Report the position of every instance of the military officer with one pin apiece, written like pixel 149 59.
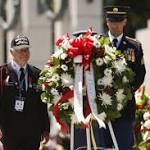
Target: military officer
pixel 116 20
pixel 24 119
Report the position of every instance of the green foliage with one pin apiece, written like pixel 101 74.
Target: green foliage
pixel 142 118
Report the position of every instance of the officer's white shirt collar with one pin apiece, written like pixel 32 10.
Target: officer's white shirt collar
pixel 111 37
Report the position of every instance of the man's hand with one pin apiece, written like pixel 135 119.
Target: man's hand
pixel 1 134
pixel 45 137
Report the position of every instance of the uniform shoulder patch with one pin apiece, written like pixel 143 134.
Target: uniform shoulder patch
pixel 134 41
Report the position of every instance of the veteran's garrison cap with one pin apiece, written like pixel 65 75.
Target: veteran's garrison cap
pixel 20 41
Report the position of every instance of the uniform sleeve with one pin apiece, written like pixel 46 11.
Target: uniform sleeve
pixel 2 78
pixel 139 68
pixel 45 118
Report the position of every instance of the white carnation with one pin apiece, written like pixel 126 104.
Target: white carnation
pixel 119 65
pixel 107 59
pixel 110 51
pixel 63 56
pixel 58 53
pixel 54 92
pixel 99 61
pixel 64 67
pixel 66 79
pixel 120 96
pixel 96 43
pixel 108 72
pixel 55 77
pixel 119 107
pixel 100 82
pixel 146 136
pixel 146 116
pixel 147 124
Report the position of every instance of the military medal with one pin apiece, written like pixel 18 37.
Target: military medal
pixel 129 55
pixel 132 55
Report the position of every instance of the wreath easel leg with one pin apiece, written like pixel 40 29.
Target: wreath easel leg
pixel 89 137
pixel 113 136
pixel 72 136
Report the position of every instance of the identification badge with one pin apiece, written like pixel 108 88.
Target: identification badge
pixel 19 104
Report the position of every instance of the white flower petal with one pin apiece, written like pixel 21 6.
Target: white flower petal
pixel 120 96
pixel 105 98
pixel 66 79
pixel 146 116
pixel 147 124
pixel 99 62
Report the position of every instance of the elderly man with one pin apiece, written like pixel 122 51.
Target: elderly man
pixel 23 117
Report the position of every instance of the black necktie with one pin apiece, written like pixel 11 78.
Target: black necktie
pixel 115 41
pixel 22 79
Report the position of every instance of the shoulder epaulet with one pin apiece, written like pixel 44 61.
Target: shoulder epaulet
pixel 133 39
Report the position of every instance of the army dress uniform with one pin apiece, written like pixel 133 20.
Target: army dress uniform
pixel 124 126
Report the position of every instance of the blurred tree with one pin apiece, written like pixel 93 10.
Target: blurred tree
pixel 8 24
pixel 138 15
pixel 43 5
pixel 4 23
pixel 48 7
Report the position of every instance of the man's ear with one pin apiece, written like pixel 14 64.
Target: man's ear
pixel 12 52
pixel 125 21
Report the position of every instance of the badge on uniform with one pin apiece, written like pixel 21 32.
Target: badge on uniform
pixel 19 103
